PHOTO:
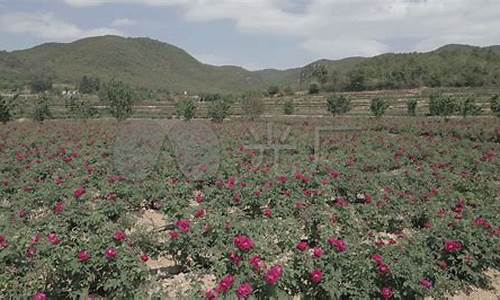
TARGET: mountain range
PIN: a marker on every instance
(148, 63)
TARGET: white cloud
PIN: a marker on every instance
(47, 26)
(336, 28)
(83, 3)
(123, 22)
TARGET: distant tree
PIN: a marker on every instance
(79, 108)
(442, 105)
(320, 73)
(468, 107)
(252, 106)
(219, 109)
(495, 105)
(89, 85)
(273, 90)
(337, 105)
(211, 97)
(41, 111)
(5, 110)
(288, 107)
(313, 88)
(411, 106)
(186, 109)
(335, 79)
(378, 106)
(40, 84)
(357, 80)
(120, 99)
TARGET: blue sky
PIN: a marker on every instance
(258, 33)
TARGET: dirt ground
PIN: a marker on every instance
(478, 294)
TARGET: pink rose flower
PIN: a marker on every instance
(316, 276)
(244, 291)
(243, 243)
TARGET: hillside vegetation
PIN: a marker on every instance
(146, 63)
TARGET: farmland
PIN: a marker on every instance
(396, 208)
(304, 105)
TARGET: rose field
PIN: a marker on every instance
(390, 208)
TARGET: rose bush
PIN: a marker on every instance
(405, 209)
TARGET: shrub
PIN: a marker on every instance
(273, 90)
(287, 91)
(186, 109)
(89, 85)
(440, 105)
(469, 107)
(211, 97)
(495, 105)
(41, 111)
(79, 108)
(218, 110)
(411, 106)
(40, 84)
(313, 88)
(252, 106)
(5, 110)
(288, 107)
(378, 106)
(338, 105)
(120, 98)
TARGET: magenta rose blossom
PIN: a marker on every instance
(83, 256)
(40, 296)
(316, 276)
(200, 198)
(256, 262)
(211, 294)
(339, 245)
(79, 192)
(426, 283)
(383, 268)
(451, 246)
(378, 259)
(243, 243)
(31, 252)
(200, 213)
(235, 258)
(120, 235)
(386, 293)
(53, 239)
(3, 242)
(302, 246)
(173, 235)
(183, 225)
(244, 291)
(111, 253)
(267, 213)
(318, 252)
(59, 208)
(226, 283)
(274, 274)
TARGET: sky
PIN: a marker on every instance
(258, 34)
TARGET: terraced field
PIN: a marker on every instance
(305, 105)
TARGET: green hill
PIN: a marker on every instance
(148, 63)
(140, 62)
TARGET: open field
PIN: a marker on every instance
(401, 208)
